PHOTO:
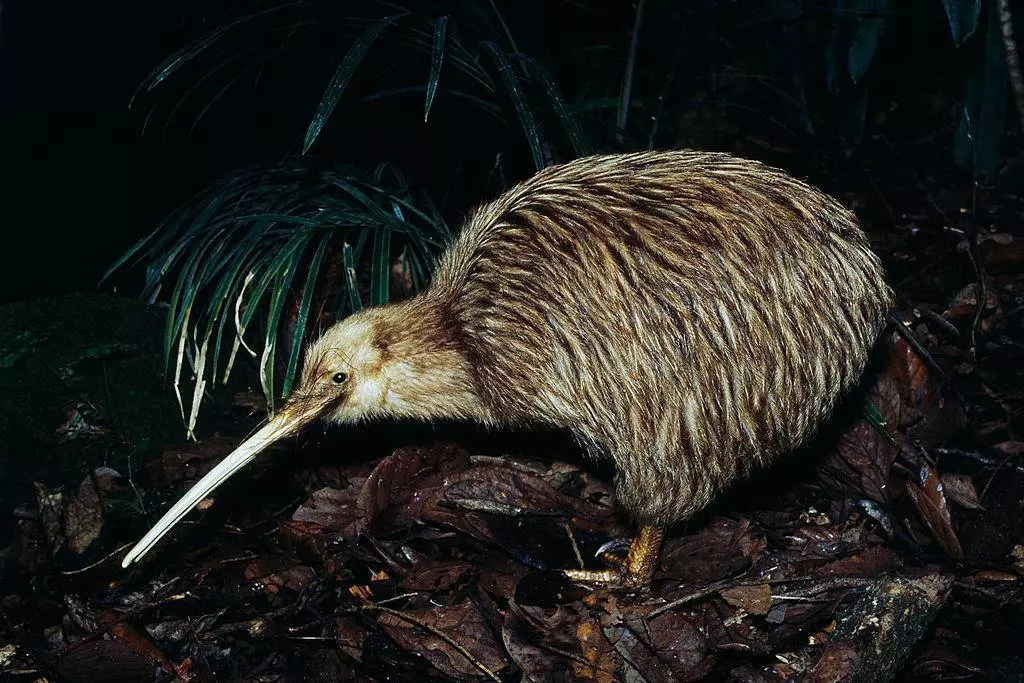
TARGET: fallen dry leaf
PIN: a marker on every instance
(964, 305)
(461, 624)
(85, 511)
(1009, 448)
(960, 489)
(756, 599)
(333, 509)
(723, 547)
(394, 494)
(600, 660)
(928, 497)
(862, 457)
(79, 424)
(669, 647)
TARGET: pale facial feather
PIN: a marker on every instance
(402, 380)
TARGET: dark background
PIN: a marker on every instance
(81, 176)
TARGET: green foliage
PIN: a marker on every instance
(963, 18)
(247, 256)
(489, 71)
(858, 26)
(343, 75)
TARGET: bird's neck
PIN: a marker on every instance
(426, 372)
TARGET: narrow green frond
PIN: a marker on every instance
(302, 317)
(380, 267)
(512, 83)
(351, 285)
(189, 52)
(289, 264)
(558, 103)
(127, 256)
(875, 419)
(436, 59)
(343, 75)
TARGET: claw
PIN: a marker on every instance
(635, 572)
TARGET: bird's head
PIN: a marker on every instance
(398, 360)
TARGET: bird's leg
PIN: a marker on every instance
(635, 572)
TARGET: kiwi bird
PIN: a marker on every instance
(688, 315)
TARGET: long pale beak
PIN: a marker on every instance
(290, 420)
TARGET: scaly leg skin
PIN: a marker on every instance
(635, 572)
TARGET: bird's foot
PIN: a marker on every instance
(630, 574)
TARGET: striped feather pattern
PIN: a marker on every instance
(690, 315)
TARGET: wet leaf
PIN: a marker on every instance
(84, 519)
(292, 579)
(960, 489)
(507, 491)
(667, 647)
(1009, 448)
(542, 642)
(393, 495)
(928, 496)
(189, 463)
(964, 306)
(436, 576)
(461, 624)
(102, 660)
(141, 644)
(332, 509)
(720, 549)
(926, 416)
(80, 423)
(868, 563)
(350, 635)
(51, 516)
(862, 457)
(755, 599)
(600, 660)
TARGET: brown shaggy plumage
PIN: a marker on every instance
(691, 315)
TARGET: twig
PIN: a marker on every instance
(434, 631)
(131, 482)
(947, 327)
(984, 459)
(627, 78)
(972, 240)
(66, 384)
(831, 583)
(992, 478)
(656, 118)
(575, 546)
(82, 570)
(702, 593)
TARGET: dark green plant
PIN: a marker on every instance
(858, 26)
(252, 248)
(474, 53)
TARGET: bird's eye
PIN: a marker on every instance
(339, 377)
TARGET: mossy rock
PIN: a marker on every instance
(81, 384)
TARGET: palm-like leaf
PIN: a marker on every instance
(486, 61)
(254, 245)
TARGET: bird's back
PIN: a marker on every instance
(691, 314)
